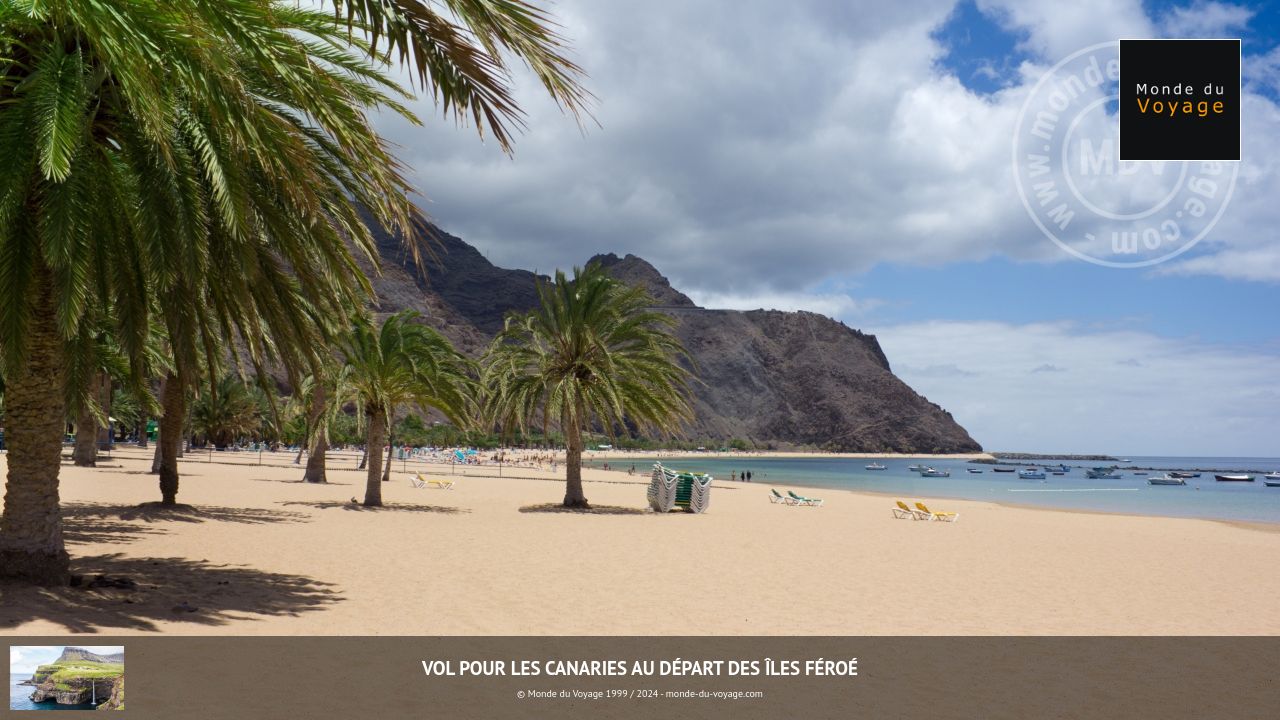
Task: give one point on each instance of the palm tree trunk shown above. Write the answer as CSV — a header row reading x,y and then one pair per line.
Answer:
x,y
374,440
104,438
31,544
391,444
86,450
319,440
155,457
573,495
142,430
173,400
315,461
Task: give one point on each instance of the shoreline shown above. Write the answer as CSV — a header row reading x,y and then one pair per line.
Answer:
x,y
781,454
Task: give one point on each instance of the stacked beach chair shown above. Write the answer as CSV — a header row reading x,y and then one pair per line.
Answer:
x,y
669,490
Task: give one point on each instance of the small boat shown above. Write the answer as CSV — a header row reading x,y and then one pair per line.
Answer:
x,y
1184,475
975,471
930,472
875,466
1059,473
1233,478
1057,469
1272,483
1031,474
1002,469
1102,473
1140,473
915,468
1165,480
1272,476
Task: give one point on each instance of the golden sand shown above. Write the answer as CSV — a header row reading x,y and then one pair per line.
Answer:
x,y
260,553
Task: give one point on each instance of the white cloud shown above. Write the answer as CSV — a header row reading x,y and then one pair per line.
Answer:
x,y
1206,20
829,304
778,144
1113,391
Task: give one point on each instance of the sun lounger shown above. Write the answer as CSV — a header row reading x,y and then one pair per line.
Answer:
x,y
426,482
802,500
928,514
777,497
904,511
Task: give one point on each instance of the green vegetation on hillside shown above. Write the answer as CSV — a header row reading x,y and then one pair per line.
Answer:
x,y
61,672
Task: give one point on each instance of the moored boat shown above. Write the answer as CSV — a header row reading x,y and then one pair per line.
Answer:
x,y
1165,480
930,472
875,466
1233,478
915,468
1272,483
975,471
1272,476
1102,473
1184,475
1057,469
1031,474
1002,469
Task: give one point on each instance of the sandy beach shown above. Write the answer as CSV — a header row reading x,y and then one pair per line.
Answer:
x,y
259,553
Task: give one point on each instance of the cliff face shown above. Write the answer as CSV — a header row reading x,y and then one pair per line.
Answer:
x,y
116,701
72,654
74,690
777,379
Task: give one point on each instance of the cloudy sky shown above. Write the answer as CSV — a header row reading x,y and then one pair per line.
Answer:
x,y
24,659
854,159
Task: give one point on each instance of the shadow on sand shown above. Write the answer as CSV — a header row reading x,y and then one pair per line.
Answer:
x,y
162,589
593,510
389,507
151,512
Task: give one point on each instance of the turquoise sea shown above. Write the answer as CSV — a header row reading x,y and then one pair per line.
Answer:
x,y
20,699
1201,497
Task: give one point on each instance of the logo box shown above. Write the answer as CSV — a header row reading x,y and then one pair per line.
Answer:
x,y
1179,99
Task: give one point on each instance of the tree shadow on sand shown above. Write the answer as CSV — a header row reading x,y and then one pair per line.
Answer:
x,y
593,510
327,483
162,589
389,507
155,512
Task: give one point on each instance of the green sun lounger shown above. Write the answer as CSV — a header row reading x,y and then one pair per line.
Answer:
x,y
802,500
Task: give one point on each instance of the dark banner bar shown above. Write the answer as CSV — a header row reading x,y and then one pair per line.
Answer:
x,y
739,678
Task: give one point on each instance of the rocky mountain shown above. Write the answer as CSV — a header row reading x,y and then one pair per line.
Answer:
x,y
70,654
776,379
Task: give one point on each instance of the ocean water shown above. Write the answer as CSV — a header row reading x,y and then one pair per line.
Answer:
x,y
1201,497
20,699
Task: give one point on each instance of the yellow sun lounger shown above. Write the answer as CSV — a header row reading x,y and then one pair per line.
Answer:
x,y
425,482
904,511
927,514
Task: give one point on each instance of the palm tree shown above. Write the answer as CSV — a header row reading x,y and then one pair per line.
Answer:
x,y
454,49
320,399
402,362
177,162
202,166
592,353
227,412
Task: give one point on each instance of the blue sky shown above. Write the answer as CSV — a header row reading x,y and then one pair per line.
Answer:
x,y
853,159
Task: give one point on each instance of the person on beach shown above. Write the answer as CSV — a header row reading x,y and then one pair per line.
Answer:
x,y
748,476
